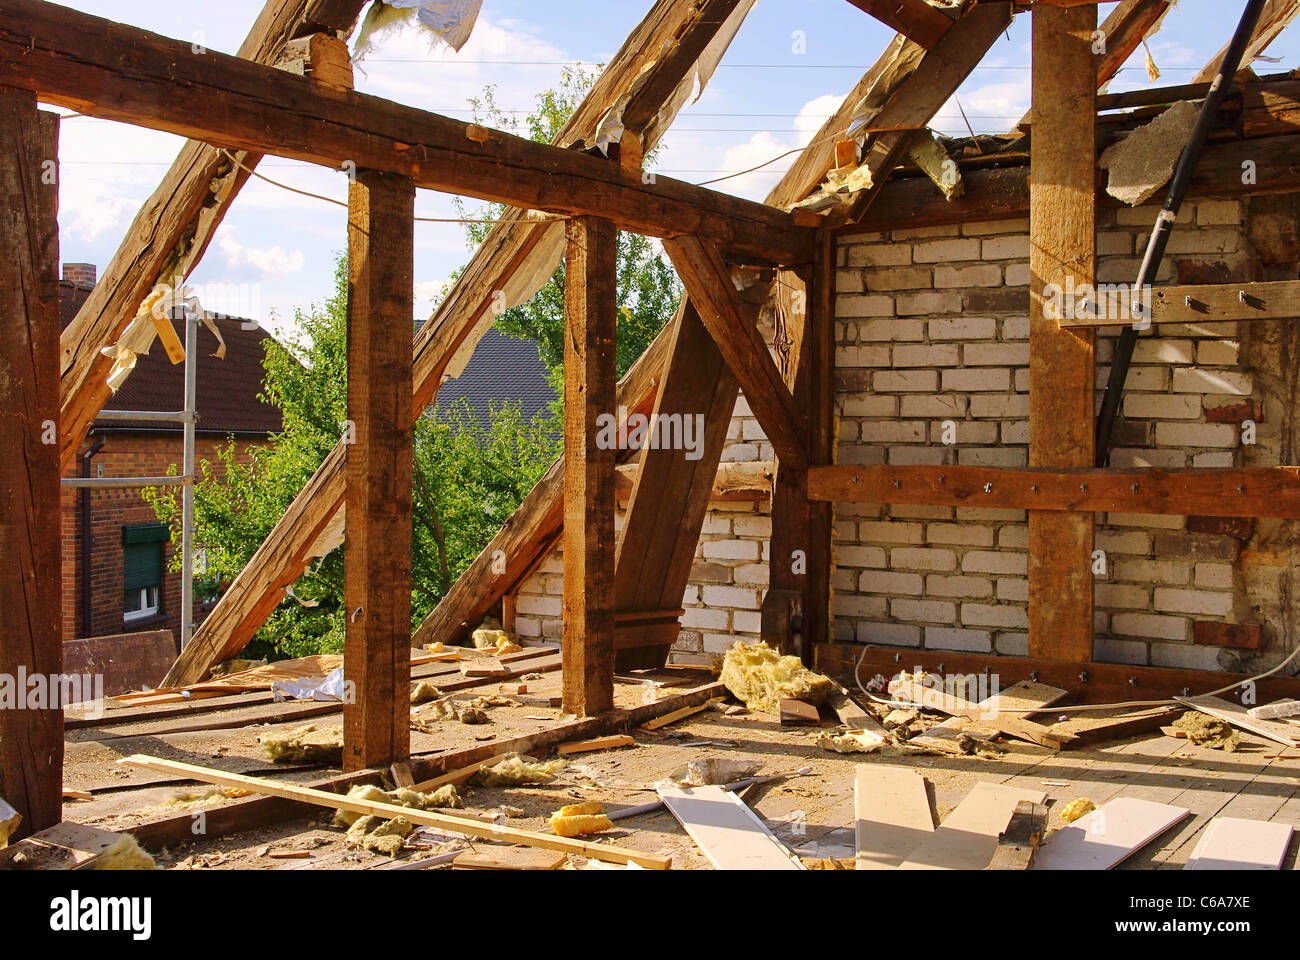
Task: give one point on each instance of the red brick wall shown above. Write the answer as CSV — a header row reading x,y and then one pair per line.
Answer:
x,y
123,455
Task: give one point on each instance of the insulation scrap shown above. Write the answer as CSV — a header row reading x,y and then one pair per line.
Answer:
x,y
124,854
424,691
306,744
851,741
379,835
1076,808
515,769
489,637
1142,163
579,819
1207,731
506,645
9,820
444,797
761,678
711,771
829,863
450,21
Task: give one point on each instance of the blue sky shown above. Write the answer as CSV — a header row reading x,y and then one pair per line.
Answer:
x,y
764,99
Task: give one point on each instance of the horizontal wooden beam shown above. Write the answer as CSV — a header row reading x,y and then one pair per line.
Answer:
x,y
1245,492
1087,682
116,72
1200,303
914,19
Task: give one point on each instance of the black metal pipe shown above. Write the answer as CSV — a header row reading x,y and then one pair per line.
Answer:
x,y
1155,251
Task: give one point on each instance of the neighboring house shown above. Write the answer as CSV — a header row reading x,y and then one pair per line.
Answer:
x,y
115,552
502,369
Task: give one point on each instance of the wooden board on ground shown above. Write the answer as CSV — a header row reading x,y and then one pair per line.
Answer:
x,y
851,713
484,667
1018,843
1231,843
511,858
798,713
388,811
968,837
1108,835
891,815
1238,717
64,846
726,830
676,715
1023,695
600,743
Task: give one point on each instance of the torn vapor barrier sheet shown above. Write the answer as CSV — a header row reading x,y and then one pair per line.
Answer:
x,y
451,21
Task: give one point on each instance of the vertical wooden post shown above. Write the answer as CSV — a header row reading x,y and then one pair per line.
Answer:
x,y
800,548
31,642
1062,231
377,553
590,305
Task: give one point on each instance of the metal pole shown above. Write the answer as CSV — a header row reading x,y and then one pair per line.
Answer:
x,y
187,492
1155,251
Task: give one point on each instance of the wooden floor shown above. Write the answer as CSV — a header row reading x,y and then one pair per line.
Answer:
x,y
811,813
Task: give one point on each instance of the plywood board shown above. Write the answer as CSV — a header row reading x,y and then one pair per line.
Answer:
x,y
1108,835
1231,843
726,830
968,838
891,815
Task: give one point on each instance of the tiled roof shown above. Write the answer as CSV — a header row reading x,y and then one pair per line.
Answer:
x,y
227,389
502,368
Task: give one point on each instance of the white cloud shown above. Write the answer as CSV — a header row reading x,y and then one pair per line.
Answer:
x,y
271,261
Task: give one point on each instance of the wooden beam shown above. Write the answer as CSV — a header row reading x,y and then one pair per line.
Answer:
x,y
673,486
170,233
747,480
71,59
709,285
518,245
1202,303
915,19
914,100
590,316
1275,18
31,643
377,562
1230,492
1088,683
1124,30
1062,365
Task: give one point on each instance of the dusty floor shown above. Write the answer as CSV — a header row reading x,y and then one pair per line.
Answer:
x,y
812,813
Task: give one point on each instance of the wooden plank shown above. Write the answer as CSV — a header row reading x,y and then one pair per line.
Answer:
x,y
1022,695
1107,836
1231,843
674,485
170,233
1062,365
377,563
915,19
891,815
680,714
945,702
599,743
1233,301
334,801
31,643
590,312
726,830
511,858
64,846
732,325
463,775
968,837
1238,716
747,481
1228,492
1018,843
69,59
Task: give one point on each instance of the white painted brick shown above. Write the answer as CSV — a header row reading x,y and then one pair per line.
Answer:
x,y
975,275
963,328
528,627
1149,625
716,596
731,550
1145,570
993,456
1215,460
1134,458
739,453
718,642
1012,644
1193,601
1013,589
948,406
1185,656
899,278
1014,537
917,558
897,329
1218,213
870,405
1121,595
1017,275
906,381
968,432
848,281
968,534
994,514
994,354
856,605
924,233
954,638
890,531
1170,434
691,595
879,255
861,356
858,305
751,574
1163,521
890,634
1194,380
1161,406
860,556
756,526
715,525
1113,650
926,303
1213,240
907,584
971,588
1215,576
1163,350
1000,405
927,611
893,431
994,615
1016,432
542,606
1015,328
977,380
1126,541
928,355
1014,247
943,251
1218,352
986,227
705,618
912,456
747,621
552,629
995,561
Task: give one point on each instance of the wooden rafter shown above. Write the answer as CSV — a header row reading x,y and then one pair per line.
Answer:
x,y
709,285
172,230
67,58
513,248
915,19
1276,17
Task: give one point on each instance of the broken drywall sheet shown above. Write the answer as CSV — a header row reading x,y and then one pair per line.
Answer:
x,y
1142,163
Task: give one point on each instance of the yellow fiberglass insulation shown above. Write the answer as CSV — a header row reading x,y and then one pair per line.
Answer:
x,y
761,678
125,854
379,835
305,745
515,769
443,797
1077,808
1206,731
578,819
423,691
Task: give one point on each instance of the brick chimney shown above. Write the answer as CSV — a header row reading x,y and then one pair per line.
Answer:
x,y
82,273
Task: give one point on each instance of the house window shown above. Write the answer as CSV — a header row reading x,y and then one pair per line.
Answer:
x,y
142,570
